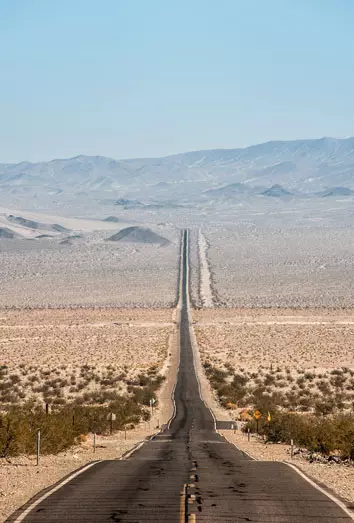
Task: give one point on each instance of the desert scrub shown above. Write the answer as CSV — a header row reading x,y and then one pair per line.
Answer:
x,y
325,394
62,427
323,434
66,422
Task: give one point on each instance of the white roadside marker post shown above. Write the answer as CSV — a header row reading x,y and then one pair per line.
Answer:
x,y
38,445
292,448
94,442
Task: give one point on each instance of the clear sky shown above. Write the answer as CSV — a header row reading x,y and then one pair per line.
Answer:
x,y
129,78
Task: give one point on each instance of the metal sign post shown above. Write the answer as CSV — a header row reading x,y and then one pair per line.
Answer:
x,y
257,415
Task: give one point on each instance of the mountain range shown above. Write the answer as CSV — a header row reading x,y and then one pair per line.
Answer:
x,y
279,169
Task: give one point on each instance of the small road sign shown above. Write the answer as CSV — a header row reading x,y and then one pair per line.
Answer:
x,y
257,415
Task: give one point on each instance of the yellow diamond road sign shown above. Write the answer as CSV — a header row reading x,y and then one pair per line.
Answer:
x,y
257,414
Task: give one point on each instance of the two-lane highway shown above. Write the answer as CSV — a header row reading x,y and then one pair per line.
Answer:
x,y
220,482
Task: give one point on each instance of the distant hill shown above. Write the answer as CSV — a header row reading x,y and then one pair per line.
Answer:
x,y
299,166
138,235
7,233
128,203
58,228
230,190
31,224
24,222
112,219
337,191
70,239
276,191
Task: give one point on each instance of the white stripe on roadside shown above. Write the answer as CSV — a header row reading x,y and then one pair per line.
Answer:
x,y
33,505
323,491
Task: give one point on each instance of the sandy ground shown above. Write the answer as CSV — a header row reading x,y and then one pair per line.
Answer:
x,y
338,478
282,259
206,293
78,224
67,352
87,272
299,339
20,478
78,266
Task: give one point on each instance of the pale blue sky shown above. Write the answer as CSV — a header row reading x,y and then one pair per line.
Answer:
x,y
128,78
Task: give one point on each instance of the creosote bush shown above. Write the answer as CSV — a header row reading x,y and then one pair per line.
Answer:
x,y
62,427
65,423
325,435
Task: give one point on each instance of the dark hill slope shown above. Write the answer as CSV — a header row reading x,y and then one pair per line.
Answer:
x,y
138,235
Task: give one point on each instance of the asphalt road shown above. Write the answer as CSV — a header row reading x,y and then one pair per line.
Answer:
x,y
226,485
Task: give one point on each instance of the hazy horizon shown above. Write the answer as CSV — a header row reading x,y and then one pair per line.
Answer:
x,y
147,157
140,80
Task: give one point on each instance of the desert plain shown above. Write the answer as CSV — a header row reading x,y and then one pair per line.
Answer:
x,y
59,355
300,354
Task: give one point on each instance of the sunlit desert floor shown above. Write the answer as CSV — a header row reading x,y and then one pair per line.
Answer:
x,y
60,354
305,353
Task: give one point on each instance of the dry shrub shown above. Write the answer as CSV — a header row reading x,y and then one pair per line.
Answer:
x,y
66,423
326,434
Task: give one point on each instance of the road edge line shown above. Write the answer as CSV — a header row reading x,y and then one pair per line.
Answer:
x,y
56,487
332,497
341,504
178,309
238,448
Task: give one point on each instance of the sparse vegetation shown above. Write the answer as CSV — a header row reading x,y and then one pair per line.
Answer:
x,y
271,391
63,355
62,426
75,361
332,434
312,405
